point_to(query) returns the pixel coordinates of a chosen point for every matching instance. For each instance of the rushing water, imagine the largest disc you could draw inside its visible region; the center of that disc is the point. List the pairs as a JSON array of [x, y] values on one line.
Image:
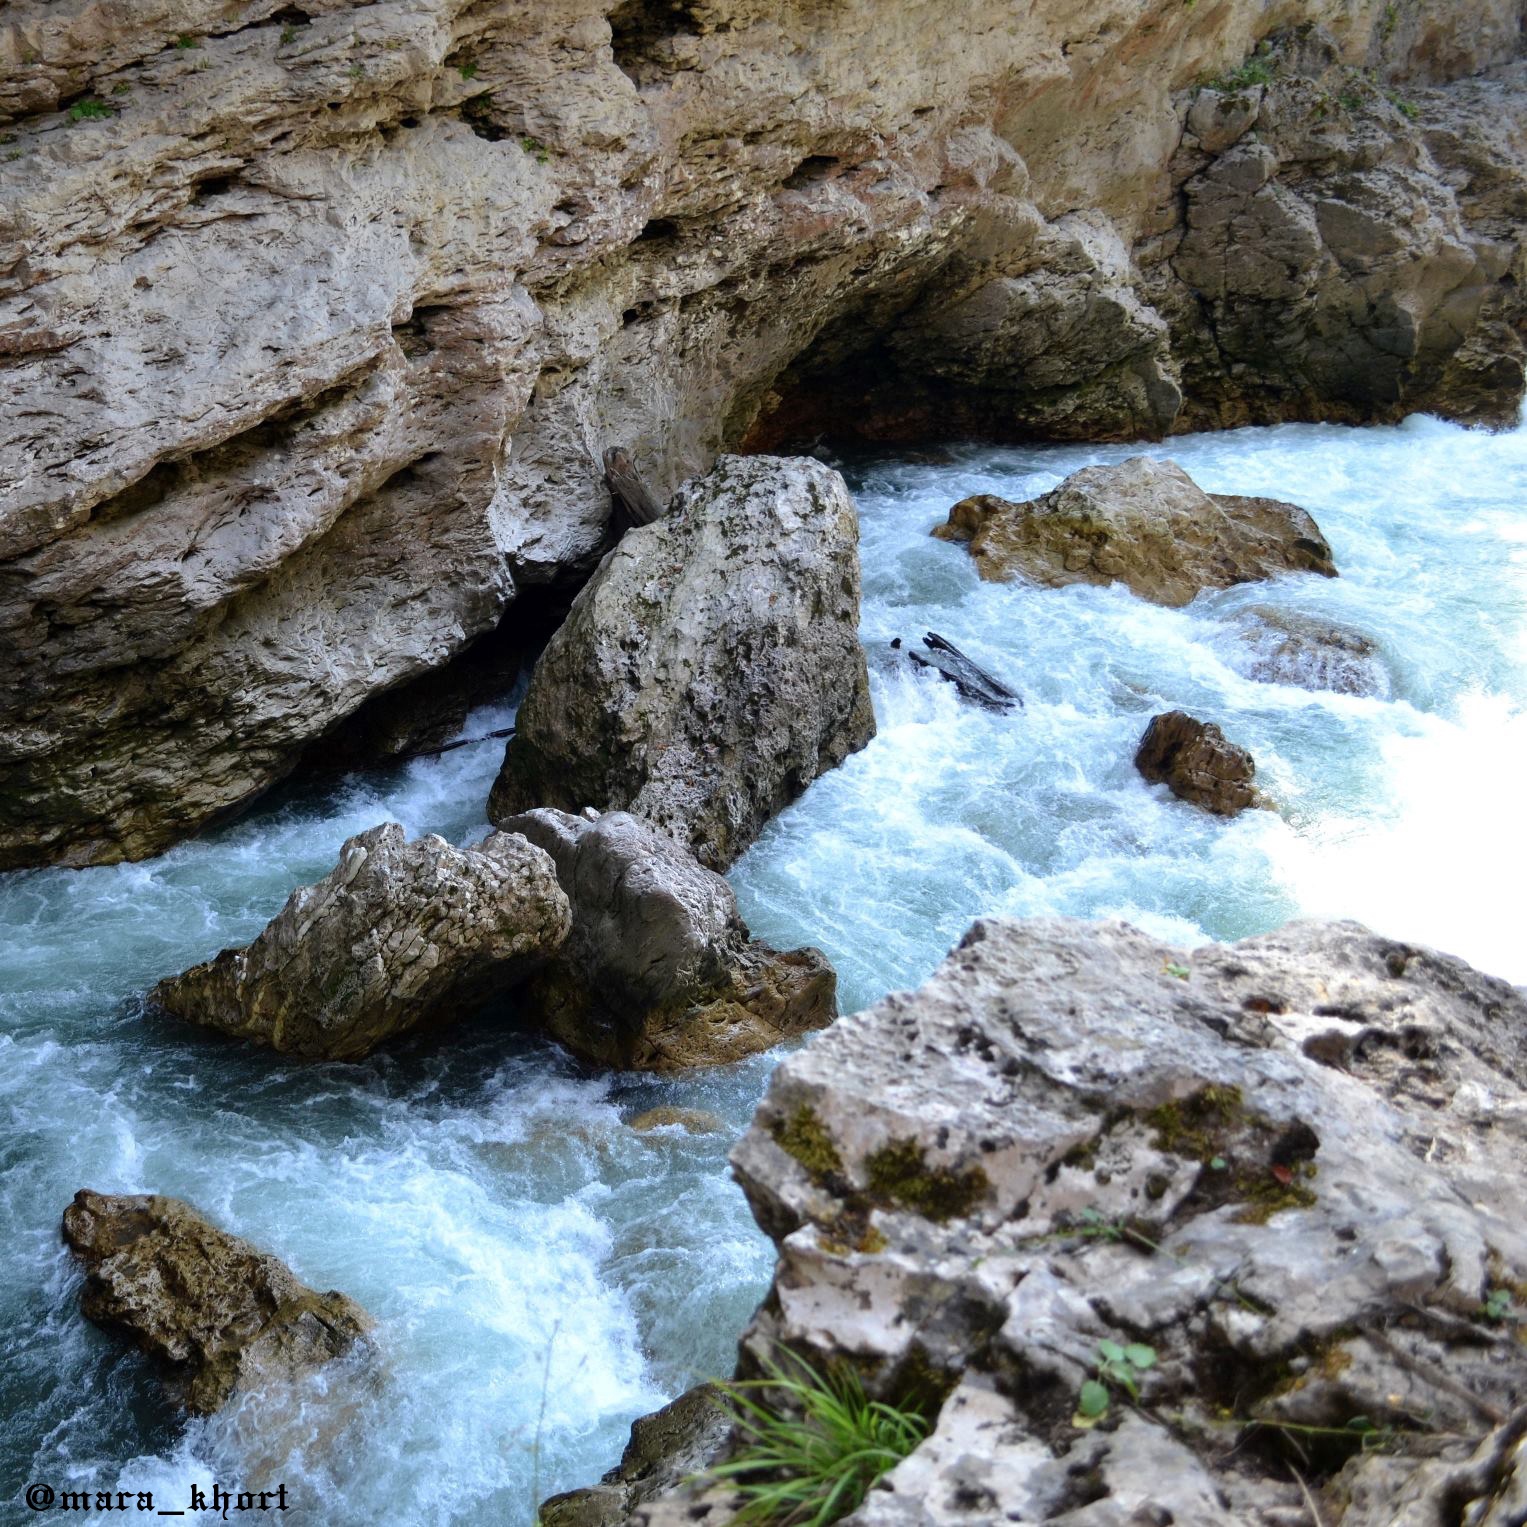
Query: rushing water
[[541, 1272]]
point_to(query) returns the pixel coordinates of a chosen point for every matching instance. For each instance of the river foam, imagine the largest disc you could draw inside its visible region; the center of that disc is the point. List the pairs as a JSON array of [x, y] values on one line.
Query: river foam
[[542, 1273]]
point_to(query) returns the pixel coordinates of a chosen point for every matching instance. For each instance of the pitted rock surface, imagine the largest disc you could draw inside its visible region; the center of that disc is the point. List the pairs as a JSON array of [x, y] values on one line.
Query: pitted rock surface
[[1196, 762], [395, 936], [1289, 1165], [218, 1316], [712, 667]]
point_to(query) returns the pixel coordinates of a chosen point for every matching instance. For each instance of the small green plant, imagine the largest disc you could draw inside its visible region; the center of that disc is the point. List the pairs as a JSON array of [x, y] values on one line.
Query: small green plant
[[1407, 109], [89, 110], [1361, 1429], [186, 41], [1498, 1307], [121, 88], [469, 71], [355, 71], [1255, 71], [1390, 21], [288, 34], [1119, 1368], [812, 1444], [1171, 968], [1349, 100], [536, 147]]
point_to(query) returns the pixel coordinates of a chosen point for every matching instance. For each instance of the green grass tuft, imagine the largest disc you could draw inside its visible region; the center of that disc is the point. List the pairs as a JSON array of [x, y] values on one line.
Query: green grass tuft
[[813, 1444]]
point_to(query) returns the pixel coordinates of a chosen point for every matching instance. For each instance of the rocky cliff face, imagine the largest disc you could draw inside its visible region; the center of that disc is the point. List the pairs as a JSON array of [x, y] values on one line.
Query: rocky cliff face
[[316, 318]]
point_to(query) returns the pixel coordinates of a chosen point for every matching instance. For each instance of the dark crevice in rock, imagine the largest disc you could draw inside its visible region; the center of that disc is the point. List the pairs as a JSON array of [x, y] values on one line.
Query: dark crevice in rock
[[642, 33], [812, 170]]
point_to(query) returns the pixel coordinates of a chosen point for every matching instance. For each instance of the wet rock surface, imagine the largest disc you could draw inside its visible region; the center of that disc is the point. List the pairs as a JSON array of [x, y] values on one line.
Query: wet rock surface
[[399, 934], [1144, 523], [659, 972], [1286, 1165], [318, 329], [711, 669], [1284, 647], [218, 1316], [1197, 763]]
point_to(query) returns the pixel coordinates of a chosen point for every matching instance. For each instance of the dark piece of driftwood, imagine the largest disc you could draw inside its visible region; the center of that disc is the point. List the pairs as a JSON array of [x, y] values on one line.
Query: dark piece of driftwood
[[450, 747], [972, 681], [633, 504]]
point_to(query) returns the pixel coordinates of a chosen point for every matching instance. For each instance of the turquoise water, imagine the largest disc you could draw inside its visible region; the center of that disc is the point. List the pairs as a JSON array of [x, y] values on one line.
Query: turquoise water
[[540, 1272]]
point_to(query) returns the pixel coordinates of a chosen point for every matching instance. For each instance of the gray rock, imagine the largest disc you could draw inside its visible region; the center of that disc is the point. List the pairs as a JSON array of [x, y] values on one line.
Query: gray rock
[[1193, 759], [1144, 523], [220, 1317], [1288, 1165], [711, 669], [1283, 647], [396, 935], [660, 972]]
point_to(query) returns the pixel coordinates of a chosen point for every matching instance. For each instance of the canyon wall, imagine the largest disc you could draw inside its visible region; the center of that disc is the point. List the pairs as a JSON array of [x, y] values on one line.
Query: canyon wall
[[316, 320]]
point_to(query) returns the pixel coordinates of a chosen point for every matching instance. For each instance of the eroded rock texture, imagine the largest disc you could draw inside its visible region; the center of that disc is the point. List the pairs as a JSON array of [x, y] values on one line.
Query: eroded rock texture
[[711, 669], [1197, 763], [1145, 524], [317, 320], [395, 936], [660, 972], [1288, 1165], [217, 1315]]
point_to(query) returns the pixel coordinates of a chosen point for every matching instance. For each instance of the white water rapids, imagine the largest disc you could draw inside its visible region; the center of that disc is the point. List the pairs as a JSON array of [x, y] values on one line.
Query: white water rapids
[[540, 1272]]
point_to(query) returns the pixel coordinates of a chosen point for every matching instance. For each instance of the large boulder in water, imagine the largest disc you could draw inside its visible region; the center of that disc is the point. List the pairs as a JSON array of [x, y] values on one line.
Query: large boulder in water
[[660, 972], [1197, 763], [1287, 647], [1289, 1167], [711, 669], [396, 935], [1144, 523], [218, 1315]]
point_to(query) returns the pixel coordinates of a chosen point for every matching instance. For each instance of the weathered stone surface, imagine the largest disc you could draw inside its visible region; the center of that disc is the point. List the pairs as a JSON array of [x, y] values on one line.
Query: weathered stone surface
[[659, 972], [1196, 762], [1289, 1165], [711, 669], [1143, 523], [315, 342], [218, 1316], [666, 1447], [396, 935], [1283, 647]]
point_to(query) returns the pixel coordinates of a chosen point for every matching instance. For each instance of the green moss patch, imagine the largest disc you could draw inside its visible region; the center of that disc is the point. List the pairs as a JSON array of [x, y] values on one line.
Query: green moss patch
[[899, 1174], [805, 1137]]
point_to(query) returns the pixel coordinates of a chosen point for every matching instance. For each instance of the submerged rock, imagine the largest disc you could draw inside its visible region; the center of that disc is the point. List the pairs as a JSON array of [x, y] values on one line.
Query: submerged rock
[[396, 935], [1287, 1167], [660, 972], [711, 669], [218, 1315], [1144, 523], [1282, 647], [1193, 759]]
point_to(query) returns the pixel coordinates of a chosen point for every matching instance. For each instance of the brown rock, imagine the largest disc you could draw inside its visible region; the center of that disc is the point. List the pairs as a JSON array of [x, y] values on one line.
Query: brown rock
[[693, 1121], [1144, 523], [1195, 762], [396, 935], [660, 972], [1287, 648], [217, 1315]]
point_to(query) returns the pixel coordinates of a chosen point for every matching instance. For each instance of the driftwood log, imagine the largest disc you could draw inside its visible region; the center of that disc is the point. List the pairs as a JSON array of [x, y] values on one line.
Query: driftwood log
[[632, 502], [972, 681]]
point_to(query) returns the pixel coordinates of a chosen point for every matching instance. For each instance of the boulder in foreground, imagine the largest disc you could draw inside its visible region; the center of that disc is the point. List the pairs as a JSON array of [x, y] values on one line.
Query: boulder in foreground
[[1287, 1167], [397, 935], [1144, 523], [218, 1315], [1197, 763], [711, 669], [660, 972]]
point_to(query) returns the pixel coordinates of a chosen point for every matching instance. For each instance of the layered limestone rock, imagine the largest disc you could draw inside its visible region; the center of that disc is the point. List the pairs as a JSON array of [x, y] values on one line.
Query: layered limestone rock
[[1144, 523], [1197, 763], [219, 1317], [318, 320], [710, 670], [395, 936], [660, 972], [1288, 1166]]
